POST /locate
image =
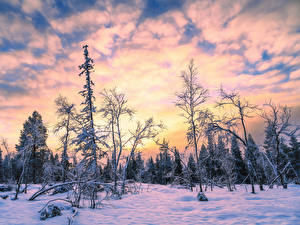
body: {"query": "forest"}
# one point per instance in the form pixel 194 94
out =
pixel 108 158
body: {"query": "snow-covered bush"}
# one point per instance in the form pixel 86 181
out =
pixel 201 197
pixel 50 211
pixel 4 188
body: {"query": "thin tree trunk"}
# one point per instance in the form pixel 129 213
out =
pixel 65 150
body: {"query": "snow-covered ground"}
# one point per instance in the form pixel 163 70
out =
pixel 159 204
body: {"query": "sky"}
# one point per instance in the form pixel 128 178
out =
pixel 141 47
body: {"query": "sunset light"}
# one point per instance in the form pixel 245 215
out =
pixel 240 60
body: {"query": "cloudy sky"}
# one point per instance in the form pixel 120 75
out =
pixel 141 47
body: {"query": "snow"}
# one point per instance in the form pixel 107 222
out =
pixel 158 204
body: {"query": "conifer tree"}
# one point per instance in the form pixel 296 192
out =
pixel 107 171
pixel 192 168
pixel 158 169
pixel 278 127
pixel 131 171
pixel 86 139
pixel 177 164
pixel 150 170
pixel 203 155
pixel 211 159
pixel 140 167
pixel 226 164
pixel 221 154
pixel 252 155
pixel 204 161
pixel 240 109
pixel 33 149
pixel 295 156
pixel 165 162
pixel 239 165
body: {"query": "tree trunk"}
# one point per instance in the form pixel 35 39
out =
pixel 252 185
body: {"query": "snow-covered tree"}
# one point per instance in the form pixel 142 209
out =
pixel 87 140
pixel 189 100
pixel 295 156
pixel 192 167
pixel 7 163
pixel 66 113
pixel 212 160
pixel 226 164
pixel 114 109
pixel 252 155
pixel 177 165
pixel 150 171
pixel 165 162
pixel 32 149
pixel 107 171
pixel 237 110
pixel 140 167
pixel 204 160
pixel 278 127
pixel 142 132
pixel 239 165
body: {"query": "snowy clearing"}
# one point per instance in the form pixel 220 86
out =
pixel 159 204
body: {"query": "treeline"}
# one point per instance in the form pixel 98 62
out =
pixel 220 165
pixel 220 150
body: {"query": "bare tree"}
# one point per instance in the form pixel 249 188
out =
pixel 235 118
pixel 278 126
pixel 26 154
pixel 143 131
pixel 189 100
pixel 66 113
pixel 113 110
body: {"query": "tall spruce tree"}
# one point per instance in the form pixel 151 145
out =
pixel 86 140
